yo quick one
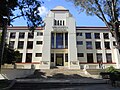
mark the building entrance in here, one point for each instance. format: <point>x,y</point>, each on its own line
<point>59,60</point>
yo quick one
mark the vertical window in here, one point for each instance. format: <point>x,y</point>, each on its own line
<point>52,57</point>
<point>99,57</point>
<point>66,57</point>
<point>89,58</point>
<point>98,45</point>
<point>114,43</point>
<point>38,55</point>
<point>80,55</point>
<point>79,42</point>
<point>59,40</point>
<point>11,44</point>
<point>66,40</point>
<point>30,45</point>
<point>55,22</point>
<point>106,35</point>
<point>97,35</point>
<point>19,60</point>
<point>30,35</point>
<point>20,44</point>
<point>28,57</point>
<point>88,35</point>
<point>21,35</point>
<point>12,35</point>
<point>39,33</point>
<point>63,22</point>
<point>109,58</point>
<point>107,45</point>
<point>52,40</point>
<point>88,45</point>
<point>39,42</point>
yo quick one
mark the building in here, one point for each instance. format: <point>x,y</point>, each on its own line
<point>60,43</point>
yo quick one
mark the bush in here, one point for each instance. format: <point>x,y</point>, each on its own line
<point>111,69</point>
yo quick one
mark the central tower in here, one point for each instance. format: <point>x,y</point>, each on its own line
<point>59,46</point>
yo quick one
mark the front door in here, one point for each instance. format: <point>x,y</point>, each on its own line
<point>59,59</point>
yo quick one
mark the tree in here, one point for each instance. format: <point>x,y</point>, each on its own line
<point>106,10</point>
<point>26,8</point>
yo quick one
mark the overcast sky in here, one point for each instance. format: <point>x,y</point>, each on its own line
<point>81,18</point>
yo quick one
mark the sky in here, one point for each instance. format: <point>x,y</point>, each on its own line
<point>81,18</point>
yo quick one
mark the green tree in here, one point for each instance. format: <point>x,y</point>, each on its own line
<point>106,10</point>
<point>28,9</point>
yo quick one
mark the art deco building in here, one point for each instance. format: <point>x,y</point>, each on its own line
<point>60,43</point>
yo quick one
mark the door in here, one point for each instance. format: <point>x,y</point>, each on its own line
<point>59,59</point>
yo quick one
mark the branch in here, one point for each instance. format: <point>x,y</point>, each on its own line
<point>16,17</point>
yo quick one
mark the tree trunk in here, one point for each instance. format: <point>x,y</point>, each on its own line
<point>4,31</point>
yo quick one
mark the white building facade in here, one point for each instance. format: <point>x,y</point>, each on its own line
<point>61,44</point>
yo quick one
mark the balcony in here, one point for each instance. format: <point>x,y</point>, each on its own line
<point>60,28</point>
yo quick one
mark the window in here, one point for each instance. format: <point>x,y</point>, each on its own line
<point>99,57</point>
<point>30,45</point>
<point>66,57</point>
<point>52,57</point>
<point>20,44</point>
<point>88,35</point>
<point>59,40</point>
<point>66,40</point>
<point>39,33</point>
<point>79,42</point>
<point>97,35</point>
<point>11,44</point>
<point>30,35</point>
<point>52,40</point>
<point>19,60</point>
<point>28,57</point>
<point>12,35</point>
<point>21,35</point>
<point>39,42</point>
<point>80,55</point>
<point>106,35</point>
<point>114,43</point>
<point>98,45</point>
<point>107,45</point>
<point>38,54</point>
<point>109,58</point>
<point>88,45</point>
<point>79,34</point>
<point>89,57</point>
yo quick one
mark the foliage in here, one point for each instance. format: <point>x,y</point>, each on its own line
<point>111,69</point>
<point>106,10</point>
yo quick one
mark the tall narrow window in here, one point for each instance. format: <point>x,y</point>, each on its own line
<point>63,22</point>
<point>98,45</point>
<point>66,40</point>
<point>52,40</point>
<point>59,40</point>
<point>109,58</point>
<point>11,44</point>
<point>99,57</point>
<point>66,57</point>
<point>19,60</point>
<point>12,35</point>
<point>21,35</point>
<point>30,45</point>
<point>52,57</point>
<point>89,57</point>
<point>28,57</point>
<point>107,45</point>
<point>20,44</point>
<point>88,44</point>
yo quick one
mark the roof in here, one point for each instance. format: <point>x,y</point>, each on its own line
<point>90,28</point>
<point>59,8</point>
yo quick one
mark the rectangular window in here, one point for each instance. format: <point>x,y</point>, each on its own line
<point>30,35</point>
<point>88,44</point>
<point>28,57</point>
<point>88,35</point>
<point>106,35</point>
<point>11,44</point>
<point>79,34</point>
<point>52,40</point>
<point>21,35</point>
<point>107,45</point>
<point>98,45</point>
<point>20,44</point>
<point>38,55</point>
<point>30,45</point>
<point>89,57</point>
<point>80,55</point>
<point>19,60</point>
<point>59,40</point>
<point>66,40</point>
<point>79,42</point>
<point>66,57</point>
<point>109,58</point>
<point>114,43</point>
<point>12,35</point>
<point>97,35</point>
<point>39,33</point>
<point>39,42</point>
<point>52,57</point>
<point>99,57</point>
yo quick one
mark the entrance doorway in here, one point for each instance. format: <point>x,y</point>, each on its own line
<point>59,60</point>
